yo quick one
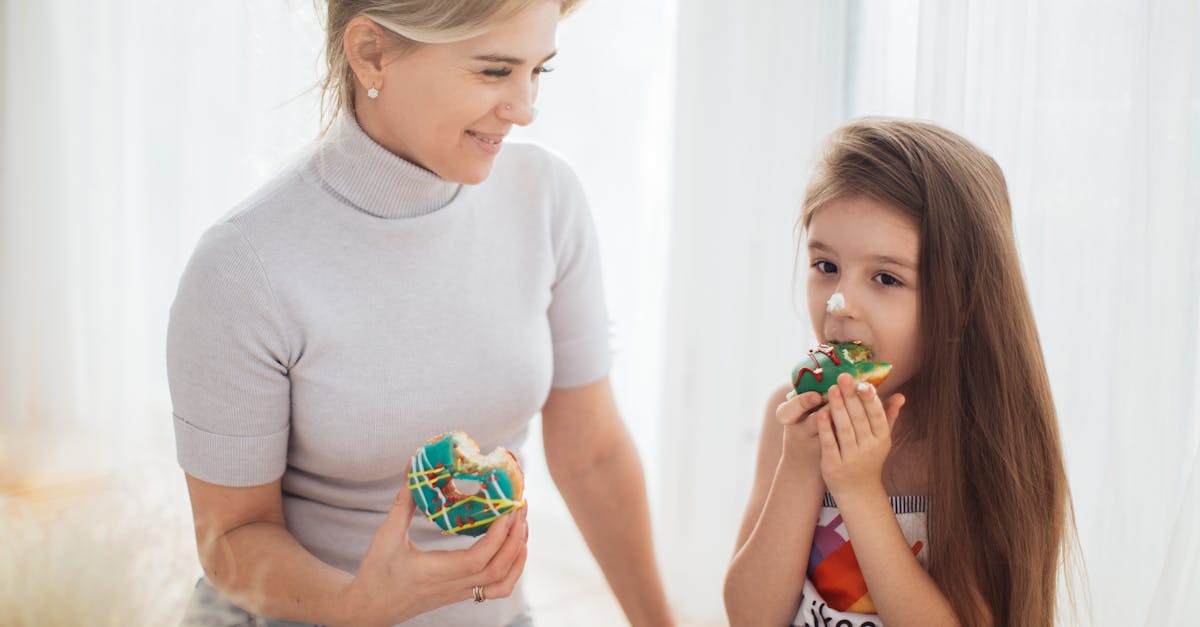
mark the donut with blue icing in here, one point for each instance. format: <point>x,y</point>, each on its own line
<point>452,457</point>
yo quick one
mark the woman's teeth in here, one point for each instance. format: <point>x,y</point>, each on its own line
<point>494,142</point>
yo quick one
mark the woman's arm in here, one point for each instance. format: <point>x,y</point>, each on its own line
<point>855,441</point>
<point>768,569</point>
<point>251,558</point>
<point>596,468</point>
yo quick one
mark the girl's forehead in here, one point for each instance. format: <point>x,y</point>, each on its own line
<point>861,224</point>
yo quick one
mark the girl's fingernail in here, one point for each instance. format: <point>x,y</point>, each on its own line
<point>790,395</point>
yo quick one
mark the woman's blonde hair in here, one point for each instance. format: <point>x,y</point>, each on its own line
<point>1000,517</point>
<point>411,22</point>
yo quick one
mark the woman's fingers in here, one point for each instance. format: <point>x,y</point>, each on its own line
<point>505,586</point>
<point>393,532</point>
<point>458,564</point>
<point>503,560</point>
<point>797,407</point>
<point>501,575</point>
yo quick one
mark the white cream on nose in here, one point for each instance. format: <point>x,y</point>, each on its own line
<point>836,303</point>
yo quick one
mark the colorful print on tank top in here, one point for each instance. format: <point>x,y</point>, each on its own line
<point>835,593</point>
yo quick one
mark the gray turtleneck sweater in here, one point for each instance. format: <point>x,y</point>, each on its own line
<point>357,306</point>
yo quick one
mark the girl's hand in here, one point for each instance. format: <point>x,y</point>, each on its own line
<point>396,581</point>
<point>855,437</point>
<point>798,415</point>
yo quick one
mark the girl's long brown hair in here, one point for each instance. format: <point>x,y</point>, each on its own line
<point>999,519</point>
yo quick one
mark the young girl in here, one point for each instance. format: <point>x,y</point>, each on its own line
<point>939,498</point>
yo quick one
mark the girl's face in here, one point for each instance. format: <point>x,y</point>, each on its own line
<point>867,251</point>
<point>447,107</point>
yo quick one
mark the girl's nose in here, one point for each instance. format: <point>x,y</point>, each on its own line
<point>842,304</point>
<point>836,303</point>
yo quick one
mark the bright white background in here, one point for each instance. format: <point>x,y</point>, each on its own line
<point>129,127</point>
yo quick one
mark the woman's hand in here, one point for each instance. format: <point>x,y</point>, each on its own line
<point>397,581</point>
<point>855,437</point>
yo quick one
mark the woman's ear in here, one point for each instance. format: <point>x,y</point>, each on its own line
<point>363,43</point>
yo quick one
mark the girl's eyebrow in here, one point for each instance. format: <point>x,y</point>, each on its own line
<point>886,259</point>
<point>819,245</point>
<point>503,58</point>
<point>896,261</point>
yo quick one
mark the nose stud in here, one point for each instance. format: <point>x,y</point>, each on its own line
<point>836,303</point>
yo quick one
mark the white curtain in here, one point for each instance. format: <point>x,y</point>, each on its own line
<point>1093,111</point>
<point>128,127</point>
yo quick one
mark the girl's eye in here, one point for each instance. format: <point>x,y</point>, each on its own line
<point>887,280</point>
<point>542,69</point>
<point>825,267</point>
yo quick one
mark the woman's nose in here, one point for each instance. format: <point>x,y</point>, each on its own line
<point>518,107</point>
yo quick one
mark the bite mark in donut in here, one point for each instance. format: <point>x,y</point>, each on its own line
<point>455,455</point>
<point>820,369</point>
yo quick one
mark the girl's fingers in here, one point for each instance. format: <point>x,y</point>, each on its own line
<point>797,407</point>
<point>841,419</point>
<point>876,415</point>
<point>829,443</point>
<point>854,407</point>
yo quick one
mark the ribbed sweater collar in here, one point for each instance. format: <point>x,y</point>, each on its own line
<point>375,180</point>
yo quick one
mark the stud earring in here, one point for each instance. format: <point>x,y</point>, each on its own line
<point>372,93</point>
<point>508,107</point>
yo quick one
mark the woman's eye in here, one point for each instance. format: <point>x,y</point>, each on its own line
<point>503,72</point>
<point>825,267</point>
<point>887,280</point>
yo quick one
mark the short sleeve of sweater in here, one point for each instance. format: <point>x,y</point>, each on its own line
<point>578,315</point>
<point>226,365</point>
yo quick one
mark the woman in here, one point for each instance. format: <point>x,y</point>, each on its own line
<point>408,277</point>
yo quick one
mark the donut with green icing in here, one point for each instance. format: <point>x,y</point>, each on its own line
<point>820,369</point>
<point>455,456</point>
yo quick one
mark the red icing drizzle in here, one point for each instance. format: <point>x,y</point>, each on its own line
<point>829,351</point>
